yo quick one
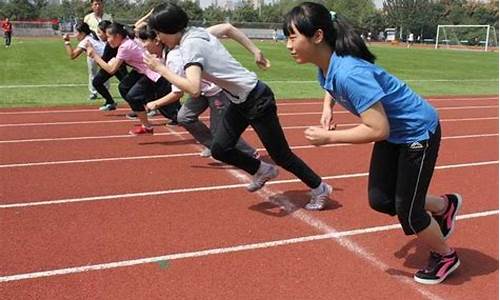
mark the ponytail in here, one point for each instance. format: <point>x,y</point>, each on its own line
<point>84,28</point>
<point>338,33</point>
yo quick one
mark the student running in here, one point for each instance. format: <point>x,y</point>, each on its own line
<point>404,127</point>
<point>252,102</point>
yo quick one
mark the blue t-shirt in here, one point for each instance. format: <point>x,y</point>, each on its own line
<point>357,85</point>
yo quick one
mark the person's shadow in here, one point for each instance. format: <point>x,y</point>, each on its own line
<point>473,263</point>
<point>283,204</point>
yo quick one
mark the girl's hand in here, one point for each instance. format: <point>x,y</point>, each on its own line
<point>327,119</point>
<point>152,105</point>
<point>317,136</point>
<point>90,51</point>
<point>152,61</point>
<point>262,62</point>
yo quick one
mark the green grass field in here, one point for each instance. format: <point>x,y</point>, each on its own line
<point>32,62</point>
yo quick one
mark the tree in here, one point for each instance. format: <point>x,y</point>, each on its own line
<point>409,15</point>
<point>245,13</point>
<point>355,11</point>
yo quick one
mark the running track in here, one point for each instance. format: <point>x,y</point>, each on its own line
<point>87,212</point>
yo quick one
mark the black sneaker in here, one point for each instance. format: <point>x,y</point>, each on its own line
<point>439,267</point>
<point>446,221</point>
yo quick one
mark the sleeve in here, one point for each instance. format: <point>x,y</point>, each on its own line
<point>192,52</point>
<point>122,53</point>
<point>363,90</point>
<point>83,44</point>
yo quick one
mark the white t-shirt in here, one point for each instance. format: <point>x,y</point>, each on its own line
<point>198,47</point>
<point>98,45</point>
<point>175,63</point>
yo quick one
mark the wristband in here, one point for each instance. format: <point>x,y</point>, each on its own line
<point>67,43</point>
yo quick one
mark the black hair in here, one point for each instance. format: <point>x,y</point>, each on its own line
<point>84,27</point>
<point>104,24</point>
<point>92,1</point>
<point>168,18</point>
<point>338,32</point>
<point>146,34</point>
<point>120,29</point>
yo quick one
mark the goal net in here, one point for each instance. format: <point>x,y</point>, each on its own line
<point>472,37</point>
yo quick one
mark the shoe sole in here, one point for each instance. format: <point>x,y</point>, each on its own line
<point>436,281</point>
<point>459,205</point>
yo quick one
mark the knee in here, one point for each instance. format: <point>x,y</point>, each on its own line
<point>218,151</point>
<point>97,81</point>
<point>413,220</point>
<point>123,91</point>
<point>380,202</point>
<point>183,117</point>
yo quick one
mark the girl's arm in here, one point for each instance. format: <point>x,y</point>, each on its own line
<point>226,29</point>
<point>110,67</point>
<point>327,115</point>
<point>72,53</point>
<point>190,84</point>
<point>143,21</point>
<point>374,127</point>
<point>166,100</point>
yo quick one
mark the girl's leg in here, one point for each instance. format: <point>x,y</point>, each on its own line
<point>92,70</point>
<point>98,83</point>
<point>137,97</point>
<point>415,169</point>
<point>223,145</point>
<point>382,177</point>
<point>262,115</point>
<point>218,104</point>
<point>188,118</point>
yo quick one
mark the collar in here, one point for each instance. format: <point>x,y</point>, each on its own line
<point>327,82</point>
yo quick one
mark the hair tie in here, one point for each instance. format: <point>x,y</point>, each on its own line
<point>333,16</point>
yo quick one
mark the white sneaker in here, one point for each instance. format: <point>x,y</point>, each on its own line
<point>206,153</point>
<point>265,173</point>
<point>319,197</point>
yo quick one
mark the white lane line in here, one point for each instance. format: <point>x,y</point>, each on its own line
<point>185,132</point>
<point>188,154</point>
<point>210,188</point>
<point>297,103</point>
<point>206,117</point>
<point>266,194</point>
<point>218,251</point>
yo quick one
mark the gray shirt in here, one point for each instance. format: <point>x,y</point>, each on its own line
<point>198,47</point>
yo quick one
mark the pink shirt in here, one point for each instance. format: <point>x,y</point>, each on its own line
<point>133,54</point>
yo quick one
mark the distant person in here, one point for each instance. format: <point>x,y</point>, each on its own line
<point>93,19</point>
<point>369,37</point>
<point>85,36</point>
<point>7,32</point>
<point>275,35</point>
<point>410,40</point>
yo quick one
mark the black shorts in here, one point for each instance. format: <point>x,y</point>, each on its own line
<point>400,175</point>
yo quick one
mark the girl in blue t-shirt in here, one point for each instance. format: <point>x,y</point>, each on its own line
<point>404,127</point>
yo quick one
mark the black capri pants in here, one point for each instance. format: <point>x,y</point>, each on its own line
<point>400,175</point>
<point>137,89</point>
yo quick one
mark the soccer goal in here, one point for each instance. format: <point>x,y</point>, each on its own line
<point>479,37</point>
